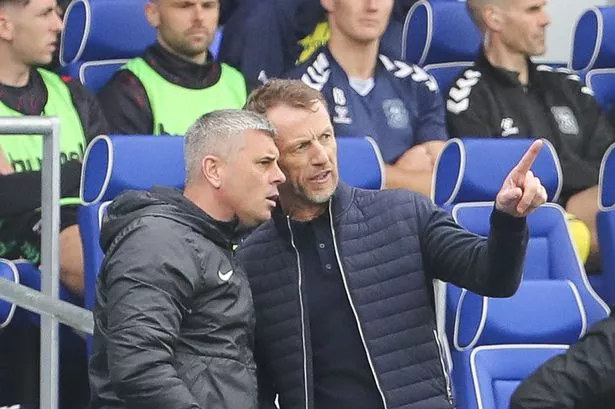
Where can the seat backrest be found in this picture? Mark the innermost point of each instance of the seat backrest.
(100, 36)
(8, 271)
(94, 74)
(438, 32)
(606, 182)
(602, 82)
(473, 169)
(497, 370)
(97, 30)
(550, 255)
(360, 163)
(593, 43)
(446, 73)
(116, 163)
(605, 221)
(111, 165)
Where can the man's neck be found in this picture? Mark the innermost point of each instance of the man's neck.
(358, 60)
(502, 58)
(14, 74)
(197, 59)
(304, 213)
(207, 200)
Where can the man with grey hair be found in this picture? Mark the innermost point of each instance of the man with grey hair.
(505, 95)
(173, 316)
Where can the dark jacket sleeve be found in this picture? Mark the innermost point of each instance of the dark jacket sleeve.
(149, 279)
(487, 266)
(468, 115)
(21, 192)
(582, 377)
(126, 106)
(90, 112)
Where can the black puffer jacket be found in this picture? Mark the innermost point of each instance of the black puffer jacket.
(173, 316)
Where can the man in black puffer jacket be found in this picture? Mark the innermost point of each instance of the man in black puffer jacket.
(173, 316)
(340, 276)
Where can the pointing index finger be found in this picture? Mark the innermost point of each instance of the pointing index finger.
(529, 157)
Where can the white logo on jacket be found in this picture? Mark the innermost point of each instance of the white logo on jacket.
(225, 276)
(566, 121)
(459, 95)
(340, 108)
(318, 73)
(396, 113)
(508, 127)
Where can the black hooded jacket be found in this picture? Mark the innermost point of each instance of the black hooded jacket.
(173, 316)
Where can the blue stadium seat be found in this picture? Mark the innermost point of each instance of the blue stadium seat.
(544, 315)
(606, 224)
(30, 276)
(594, 40)
(473, 169)
(439, 32)
(111, 165)
(445, 73)
(360, 162)
(555, 303)
(602, 82)
(497, 370)
(101, 35)
(8, 271)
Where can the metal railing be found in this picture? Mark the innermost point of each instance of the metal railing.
(46, 303)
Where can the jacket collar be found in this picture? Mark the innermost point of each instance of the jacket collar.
(338, 205)
(503, 76)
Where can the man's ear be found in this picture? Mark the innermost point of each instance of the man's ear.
(152, 13)
(492, 16)
(6, 26)
(212, 169)
(327, 5)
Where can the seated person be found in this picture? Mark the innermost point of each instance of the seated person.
(28, 33)
(266, 38)
(368, 93)
(506, 95)
(176, 80)
(582, 378)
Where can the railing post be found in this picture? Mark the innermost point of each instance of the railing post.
(49, 128)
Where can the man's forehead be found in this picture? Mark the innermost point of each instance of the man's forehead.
(295, 121)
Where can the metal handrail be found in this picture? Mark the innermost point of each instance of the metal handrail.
(49, 128)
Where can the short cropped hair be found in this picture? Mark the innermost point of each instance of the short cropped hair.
(220, 133)
(293, 93)
(17, 2)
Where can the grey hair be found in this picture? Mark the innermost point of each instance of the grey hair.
(220, 133)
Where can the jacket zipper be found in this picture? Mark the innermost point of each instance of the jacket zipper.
(447, 379)
(303, 342)
(354, 311)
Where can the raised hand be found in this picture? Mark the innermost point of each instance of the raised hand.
(521, 191)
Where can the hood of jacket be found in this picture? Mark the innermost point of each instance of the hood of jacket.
(164, 202)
